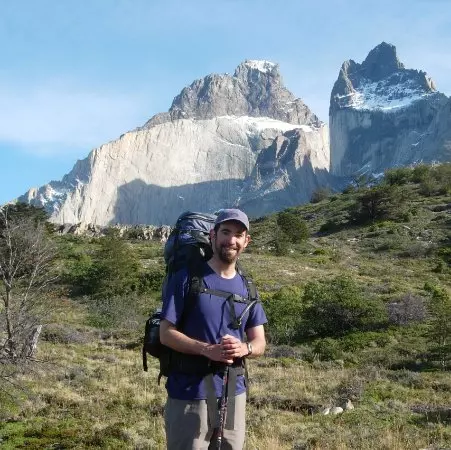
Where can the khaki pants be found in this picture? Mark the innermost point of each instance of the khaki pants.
(188, 426)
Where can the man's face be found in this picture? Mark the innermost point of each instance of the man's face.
(229, 241)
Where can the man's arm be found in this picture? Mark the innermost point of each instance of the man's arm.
(172, 338)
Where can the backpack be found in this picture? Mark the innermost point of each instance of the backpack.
(188, 246)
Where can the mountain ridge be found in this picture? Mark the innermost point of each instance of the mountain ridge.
(245, 140)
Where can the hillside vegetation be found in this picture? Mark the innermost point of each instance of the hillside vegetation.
(357, 289)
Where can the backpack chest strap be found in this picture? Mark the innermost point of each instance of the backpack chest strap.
(231, 300)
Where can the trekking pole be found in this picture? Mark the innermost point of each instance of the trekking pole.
(222, 407)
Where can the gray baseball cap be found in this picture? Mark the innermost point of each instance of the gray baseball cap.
(232, 214)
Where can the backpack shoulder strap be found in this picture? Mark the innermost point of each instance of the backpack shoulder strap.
(195, 286)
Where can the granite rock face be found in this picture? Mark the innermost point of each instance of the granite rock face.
(383, 115)
(150, 176)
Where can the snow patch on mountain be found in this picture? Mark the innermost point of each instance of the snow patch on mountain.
(383, 96)
(264, 123)
(261, 65)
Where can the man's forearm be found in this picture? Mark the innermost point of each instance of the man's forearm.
(178, 341)
(258, 348)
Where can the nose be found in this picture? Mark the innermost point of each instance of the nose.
(231, 240)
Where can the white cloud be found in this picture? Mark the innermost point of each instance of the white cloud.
(55, 117)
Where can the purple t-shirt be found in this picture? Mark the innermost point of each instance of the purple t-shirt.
(207, 320)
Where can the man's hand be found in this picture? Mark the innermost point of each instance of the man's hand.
(215, 352)
(232, 347)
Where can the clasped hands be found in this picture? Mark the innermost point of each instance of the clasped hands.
(226, 351)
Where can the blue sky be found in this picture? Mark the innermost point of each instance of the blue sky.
(76, 74)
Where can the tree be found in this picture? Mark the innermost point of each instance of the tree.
(27, 254)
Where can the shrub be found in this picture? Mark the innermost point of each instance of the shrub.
(283, 310)
(361, 340)
(420, 173)
(152, 278)
(114, 312)
(281, 243)
(406, 309)
(379, 202)
(293, 226)
(327, 349)
(398, 176)
(338, 307)
(112, 269)
(320, 194)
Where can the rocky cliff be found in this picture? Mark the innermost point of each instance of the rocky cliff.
(241, 140)
(384, 115)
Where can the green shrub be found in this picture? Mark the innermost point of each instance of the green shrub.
(281, 243)
(283, 310)
(339, 306)
(293, 226)
(112, 269)
(115, 312)
(327, 349)
(420, 173)
(383, 201)
(361, 340)
(152, 278)
(439, 332)
(398, 176)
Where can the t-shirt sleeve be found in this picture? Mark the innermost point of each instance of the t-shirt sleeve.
(257, 316)
(173, 293)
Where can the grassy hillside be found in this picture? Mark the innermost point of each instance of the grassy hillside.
(359, 313)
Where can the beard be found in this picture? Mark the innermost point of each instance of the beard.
(227, 254)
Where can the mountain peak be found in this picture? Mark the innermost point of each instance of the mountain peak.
(380, 82)
(381, 62)
(259, 65)
(256, 89)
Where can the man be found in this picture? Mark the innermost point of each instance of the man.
(207, 334)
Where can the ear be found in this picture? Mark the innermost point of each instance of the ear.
(212, 234)
(247, 240)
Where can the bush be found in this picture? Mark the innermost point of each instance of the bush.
(320, 194)
(283, 310)
(281, 243)
(293, 226)
(439, 332)
(327, 349)
(407, 309)
(420, 173)
(338, 307)
(111, 270)
(152, 278)
(115, 312)
(361, 340)
(398, 176)
(379, 202)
